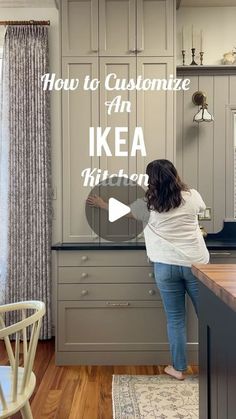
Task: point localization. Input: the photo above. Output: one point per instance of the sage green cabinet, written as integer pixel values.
(80, 111)
(156, 112)
(110, 314)
(155, 27)
(79, 27)
(127, 38)
(118, 27)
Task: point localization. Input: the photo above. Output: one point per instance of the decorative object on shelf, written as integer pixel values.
(193, 57)
(201, 48)
(229, 58)
(183, 46)
(201, 57)
(193, 49)
(199, 99)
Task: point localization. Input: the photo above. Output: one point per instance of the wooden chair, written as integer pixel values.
(17, 382)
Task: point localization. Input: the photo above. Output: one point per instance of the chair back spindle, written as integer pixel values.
(17, 381)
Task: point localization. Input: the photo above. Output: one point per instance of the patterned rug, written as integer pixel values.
(154, 397)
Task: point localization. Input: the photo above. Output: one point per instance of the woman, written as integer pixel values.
(173, 242)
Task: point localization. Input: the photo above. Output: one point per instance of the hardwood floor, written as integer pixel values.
(76, 392)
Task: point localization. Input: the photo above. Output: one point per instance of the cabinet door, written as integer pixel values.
(117, 27)
(155, 112)
(122, 68)
(155, 25)
(111, 326)
(80, 111)
(79, 27)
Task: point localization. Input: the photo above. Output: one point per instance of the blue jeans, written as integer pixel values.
(173, 282)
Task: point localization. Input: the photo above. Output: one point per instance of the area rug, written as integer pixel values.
(154, 397)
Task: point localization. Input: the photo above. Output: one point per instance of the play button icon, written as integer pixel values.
(110, 223)
(116, 210)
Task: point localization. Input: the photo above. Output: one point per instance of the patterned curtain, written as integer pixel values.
(25, 137)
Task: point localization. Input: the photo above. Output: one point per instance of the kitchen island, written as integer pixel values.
(217, 340)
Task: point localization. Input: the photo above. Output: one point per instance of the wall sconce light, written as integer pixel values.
(199, 99)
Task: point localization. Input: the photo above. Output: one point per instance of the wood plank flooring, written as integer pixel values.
(76, 392)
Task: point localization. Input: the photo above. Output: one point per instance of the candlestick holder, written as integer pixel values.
(193, 56)
(201, 57)
(183, 55)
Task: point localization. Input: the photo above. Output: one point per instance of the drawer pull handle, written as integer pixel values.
(220, 253)
(117, 304)
(84, 258)
(151, 292)
(151, 275)
(84, 275)
(84, 292)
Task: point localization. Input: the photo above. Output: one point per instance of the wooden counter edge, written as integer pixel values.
(220, 291)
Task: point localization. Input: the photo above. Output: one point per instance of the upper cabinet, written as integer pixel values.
(155, 29)
(117, 27)
(79, 28)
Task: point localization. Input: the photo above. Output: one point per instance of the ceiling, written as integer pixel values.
(206, 3)
(28, 3)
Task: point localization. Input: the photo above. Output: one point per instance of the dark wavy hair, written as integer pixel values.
(164, 186)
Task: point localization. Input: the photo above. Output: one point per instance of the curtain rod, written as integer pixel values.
(25, 22)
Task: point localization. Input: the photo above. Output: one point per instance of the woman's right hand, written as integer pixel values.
(96, 201)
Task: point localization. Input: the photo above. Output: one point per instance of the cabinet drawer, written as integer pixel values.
(108, 292)
(103, 258)
(84, 275)
(98, 327)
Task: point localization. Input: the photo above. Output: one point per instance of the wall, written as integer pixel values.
(205, 151)
(51, 14)
(219, 31)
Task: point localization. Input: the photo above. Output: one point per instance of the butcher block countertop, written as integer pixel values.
(220, 279)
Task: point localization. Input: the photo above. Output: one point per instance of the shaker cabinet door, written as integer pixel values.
(80, 111)
(118, 68)
(79, 27)
(155, 112)
(155, 27)
(117, 27)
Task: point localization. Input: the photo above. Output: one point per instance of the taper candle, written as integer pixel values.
(201, 43)
(183, 38)
(192, 37)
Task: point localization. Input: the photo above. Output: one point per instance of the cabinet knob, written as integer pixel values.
(84, 258)
(151, 275)
(84, 275)
(151, 292)
(84, 292)
(133, 50)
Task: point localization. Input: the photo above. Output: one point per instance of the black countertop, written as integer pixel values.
(224, 240)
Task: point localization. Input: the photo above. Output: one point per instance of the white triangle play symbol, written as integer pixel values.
(116, 209)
